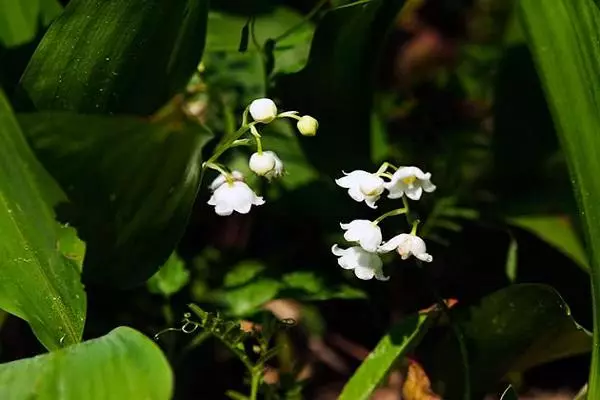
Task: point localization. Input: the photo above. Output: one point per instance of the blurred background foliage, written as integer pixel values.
(449, 86)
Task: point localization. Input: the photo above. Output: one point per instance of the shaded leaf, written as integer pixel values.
(110, 56)
(397, 343)
(170, 278)
(19, 20)
(512, 260)
(124, 364)
(37, 283)
(556, 231)
(131, 185)
(307, 285)
(511, 330)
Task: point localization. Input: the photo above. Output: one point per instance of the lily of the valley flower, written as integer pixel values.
(366, 265)
(221, 179)
(407, 245)
(410, 181)
(266, 164)
(232, 194)
(363, 185)
(366, 233)
(307, 125)
(263, 110)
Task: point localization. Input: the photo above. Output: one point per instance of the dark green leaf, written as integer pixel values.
(124, 364)
(512, 260)
(110, 56)
(307, 285)
(556, 231)
(37, 283)
(131, 185)
(396, 344)
(244, 38)
(19, 20)
(170, 278)
(511, 330)
(565, 42)
(336, 86)
(249, 298)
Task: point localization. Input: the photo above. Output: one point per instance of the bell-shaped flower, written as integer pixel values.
(266, 164)
(407, 245)
(365, 232)
(263, 110)
(410, 181)
(233, 195)
(307, 125)
(221, 179)
(366, 265)
(363, 185)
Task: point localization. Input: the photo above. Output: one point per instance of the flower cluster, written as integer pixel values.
(405, 183)
(230, 192)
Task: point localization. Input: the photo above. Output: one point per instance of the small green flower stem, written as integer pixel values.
(384, 167)
(398, 211)
(255, 382)
(306, 19)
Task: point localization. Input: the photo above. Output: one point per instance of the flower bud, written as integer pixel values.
(263, 163)
(263, 110)
(308, 125)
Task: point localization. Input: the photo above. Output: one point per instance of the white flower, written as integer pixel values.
(219, 180)
(234, 196)
(407, 245)
(365, 232)
(266, 164)
(366, 265)
(263, 110)
(307, 125)
(410, 181)
(362, 185)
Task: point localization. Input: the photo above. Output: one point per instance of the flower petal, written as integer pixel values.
(364, 273)
(414, 193)
(428, 186)
(337, 250)
(424, 257)
(393, 243)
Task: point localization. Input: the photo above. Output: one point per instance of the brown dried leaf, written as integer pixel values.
(417, 385)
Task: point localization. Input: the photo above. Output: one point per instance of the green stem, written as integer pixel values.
(255, 383)
(224, 146)
(398, 211)
(306, 18)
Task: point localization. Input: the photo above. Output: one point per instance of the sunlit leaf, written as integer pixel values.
(110, 56)
(19, 20)
(131, 184)
(170, 278)
(397, 343)
(124, 364)
(37, 282)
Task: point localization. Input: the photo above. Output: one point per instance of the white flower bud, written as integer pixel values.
(263, 110)
(261, 163)
(308, 125)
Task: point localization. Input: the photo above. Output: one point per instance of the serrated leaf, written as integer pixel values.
(110, 56)
(397, 343)
(170, 278)
(124, 364)
(37, 282)
(131, 184)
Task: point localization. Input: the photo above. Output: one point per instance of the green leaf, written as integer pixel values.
(250, 297)
(110, 56)
(336, 86)
(511, 330)
(512, 260)
(124, 364)
(556, 231)
(131, 184)
(290, 53)
(307, 286)
(19, 20)
(401, 339)
(565, 42)
(170, 278)
(38, 283)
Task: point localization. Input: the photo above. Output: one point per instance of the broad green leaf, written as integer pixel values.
(110, 56)
(308, 285)
(291, 52)
(124, 364)
(401, 339)
(565, 42)
(131, 185)
(556, 231)
(336, 86)
(37, 283)
(170, 278)
(511, 330)
(19, 20)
